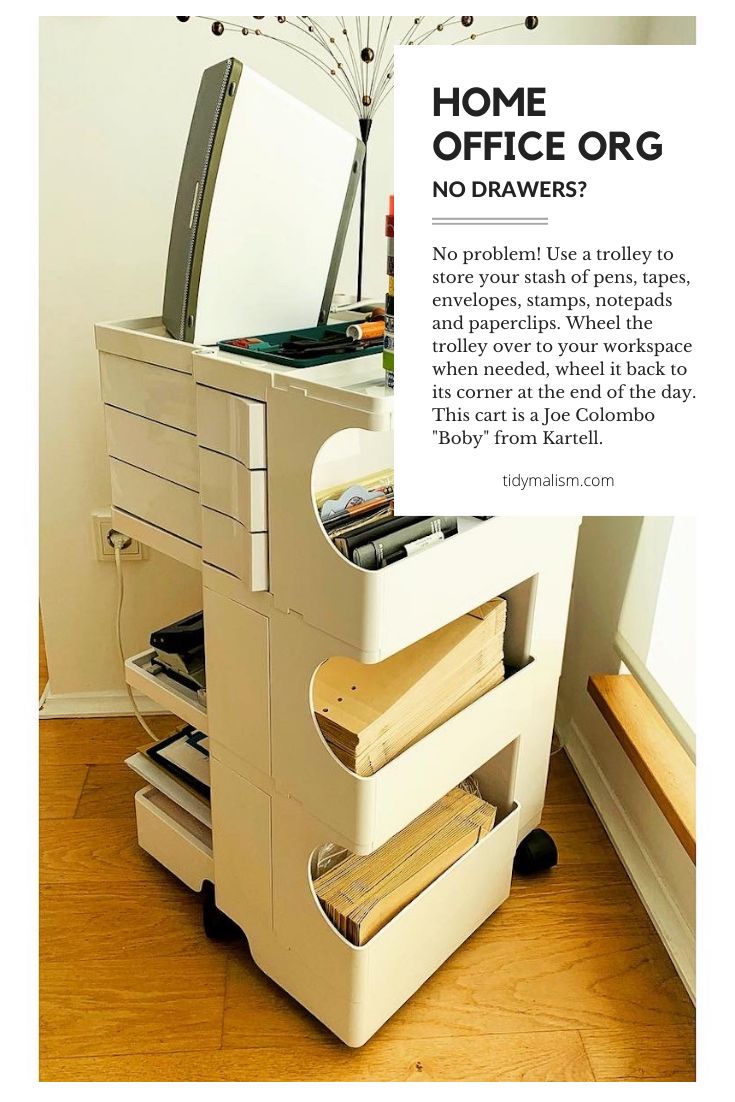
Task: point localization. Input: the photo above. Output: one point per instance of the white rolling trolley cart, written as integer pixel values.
(214, 460)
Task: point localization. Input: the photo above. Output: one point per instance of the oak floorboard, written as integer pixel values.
(581, 838)
(97, 741)
(108, 792)
(153, 918)
(564, 786)
(111, 1007)
(539, 1057)
(61, 790)
(97, 850)
(586, 904)
(657, 1054)
(567, 981)
(594, 981)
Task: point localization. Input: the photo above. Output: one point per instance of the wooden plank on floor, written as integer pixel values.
(92, 850)
(164, 1004)
(509, 986)
(540, 1057)
(571, 951)
(657, 1054)
(583, 902)
(563, 785)
(659, 758)
(581, 838)
(576, 982)
(60, 790)
(96, 741)
(96, 921)
(109, 792)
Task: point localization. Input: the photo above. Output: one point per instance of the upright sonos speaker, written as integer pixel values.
(264, 201)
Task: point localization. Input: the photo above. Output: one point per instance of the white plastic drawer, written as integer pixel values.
(165, 504)
(174, 837)
(227, 544)
(151, 391)
(232, 425)
(158, 448)
(229, 487)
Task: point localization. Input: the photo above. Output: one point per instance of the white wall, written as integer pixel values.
(115, 104)
(654, 857)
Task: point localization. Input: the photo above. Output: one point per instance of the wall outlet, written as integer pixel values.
(101, 527)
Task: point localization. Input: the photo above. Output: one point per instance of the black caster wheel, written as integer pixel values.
(217, 925)
(536, 852)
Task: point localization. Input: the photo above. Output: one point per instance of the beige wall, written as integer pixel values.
(115, 103)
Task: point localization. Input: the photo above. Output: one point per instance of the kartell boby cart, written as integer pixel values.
(214, 461)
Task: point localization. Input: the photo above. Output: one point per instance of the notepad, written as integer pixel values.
(369, 714)
(362, 894)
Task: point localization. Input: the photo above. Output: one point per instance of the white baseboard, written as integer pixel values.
(89, 705)
(674, 931)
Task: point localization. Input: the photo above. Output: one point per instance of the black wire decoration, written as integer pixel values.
(356, 54)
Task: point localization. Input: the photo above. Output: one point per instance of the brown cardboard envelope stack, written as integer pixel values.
(369, 714)
(362, 894)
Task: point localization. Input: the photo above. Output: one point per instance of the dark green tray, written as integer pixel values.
(267, 351)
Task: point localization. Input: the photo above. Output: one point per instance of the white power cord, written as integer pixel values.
(119, 541)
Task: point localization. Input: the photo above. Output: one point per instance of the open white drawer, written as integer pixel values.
(166, 691)
(174, 837)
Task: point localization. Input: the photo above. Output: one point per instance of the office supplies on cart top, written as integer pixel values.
(360, 895)
(179, 651)
(371, 713)
(389, 338)
(313, 346)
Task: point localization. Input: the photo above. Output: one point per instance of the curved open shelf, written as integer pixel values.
(361, 812)
(371, 713)
(368, 983)
(376, 612)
